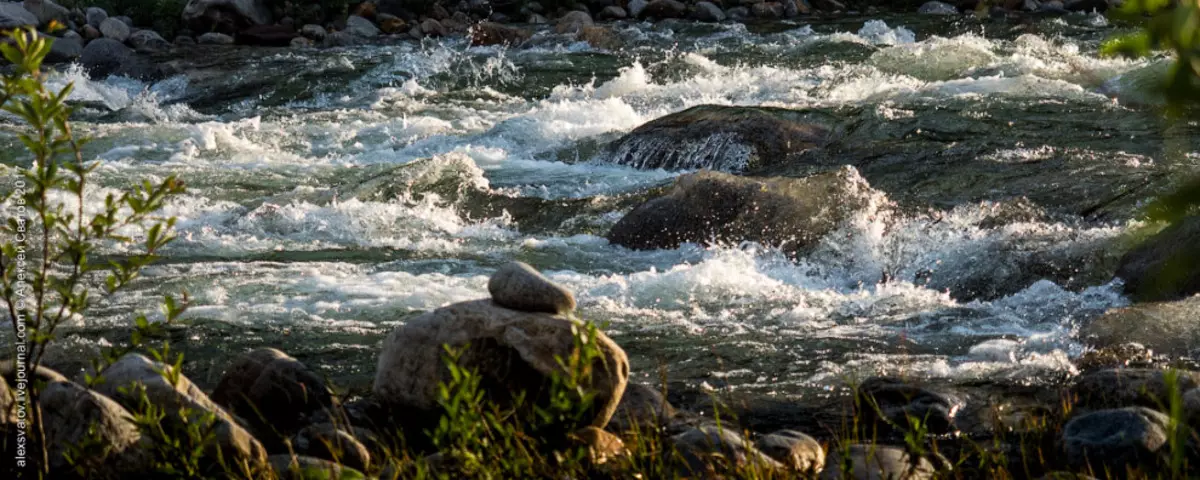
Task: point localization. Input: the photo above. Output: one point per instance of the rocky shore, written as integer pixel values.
(108, 43)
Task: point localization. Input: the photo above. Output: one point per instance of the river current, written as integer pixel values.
(285, 240)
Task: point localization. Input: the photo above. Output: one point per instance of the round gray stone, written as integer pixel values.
(519, 287)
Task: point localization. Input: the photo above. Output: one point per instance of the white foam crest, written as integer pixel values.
(877, 32)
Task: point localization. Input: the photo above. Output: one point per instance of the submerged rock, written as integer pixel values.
(1164, 327)
(1115, 440)
(273, 391)
(795, 450)
(513, 352)
(1166, 266)
(874, 462)
(730, 139)
(791, 213)
(518, 286)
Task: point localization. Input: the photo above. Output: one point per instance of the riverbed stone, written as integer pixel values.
(1123, 387)
(513, 351)
(226, 16)
(272, 391)
(875, 462)
(390, 24)
(313, 32)
(114, 29)
(712, 448)
(703, 207)
(795, 450)
(105, 56)
(362, 27)
(1115, 440)
(767, 10)
(725, 138)
(301, 42)
(300, 467)
(95, 15)
(612, 12)
(182, 401)
(937, 8)
(642, 409)
(1165, 266)
(895, 402)
(47, 11)
(708, 12)
(491, 33)
(214, 38)
(13, 15)
(572, 22)
(664, 9)
(518, 286)
(1168, 328)
(64, 49)
(433, 28)
(148, 41)
(329, 442)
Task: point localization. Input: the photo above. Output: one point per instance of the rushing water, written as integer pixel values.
(288, 236)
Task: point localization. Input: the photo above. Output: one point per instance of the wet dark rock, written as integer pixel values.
(272, 391)
(301, 42)
(518, 286)
(1124, 387)
(126, 20)
(708, 12)
(663, 9)
(872, 462)
(725, 138)
(572, 22)
(491, 33)
(184, 41)
(513, 352)
(600, 37)
(65, 49)
(46, 11)
(1116, 355)
(266, 36)
(897, 403)
(1115, 440)
(767, 10)
(536, 19)
(433, 28)
(738, 13)
(791, 213)
(710, 448)
(937, 8)
(340, 39)
(226, 16)
(795, 450)
(299, 467)
(1165, 266)
(214, 38)
(312, 32)
(328, 442)
(96, 15)
(390, 24)
(114, 29)
(148, 41)
(104, 56)
(635, 8)
(1165, 327)
(612, 12)
(642, 409)
(359, 26)
(90, 33)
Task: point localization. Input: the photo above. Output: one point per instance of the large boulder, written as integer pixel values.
(1166, 266)
(791, 213)
(875, 462)
(76, 416)
(225, 16)
(273, 391)
(182, 402)
(1115, 440)
(1164, 327)
(13, 15)
(731, 139)
(512, 351)
(104, 56)
(47, 11)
